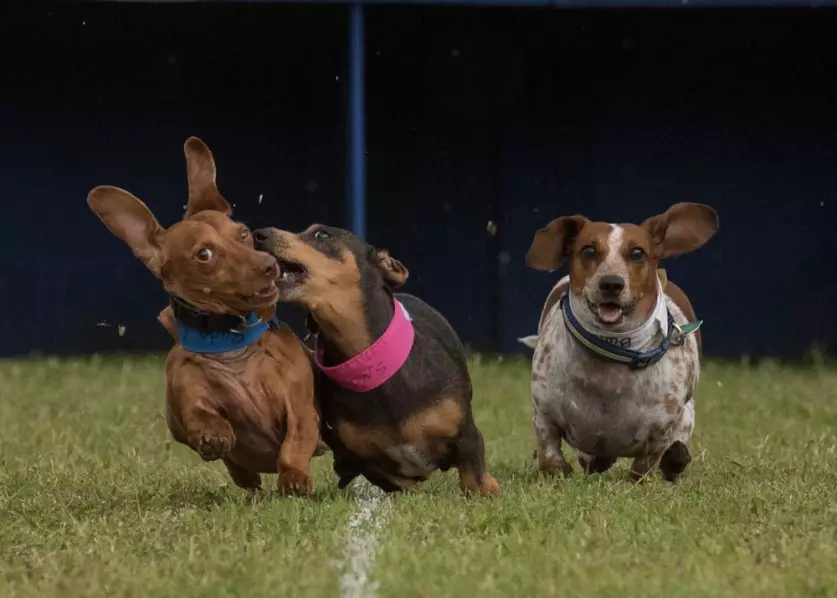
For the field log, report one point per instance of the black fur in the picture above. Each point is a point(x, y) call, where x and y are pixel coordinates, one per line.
point(435, 368)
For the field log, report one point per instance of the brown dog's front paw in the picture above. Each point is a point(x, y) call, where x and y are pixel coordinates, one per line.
point(295, 482)
point(212, 445)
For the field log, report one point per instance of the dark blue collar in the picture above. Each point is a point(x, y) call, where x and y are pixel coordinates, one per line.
point(634, 359)
point(203, 332)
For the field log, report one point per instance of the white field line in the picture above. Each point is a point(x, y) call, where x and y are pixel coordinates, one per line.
point(362, 536)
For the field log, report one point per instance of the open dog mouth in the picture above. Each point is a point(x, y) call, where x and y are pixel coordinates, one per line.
point(609, 313)
point(267, 291)
point(290, 273)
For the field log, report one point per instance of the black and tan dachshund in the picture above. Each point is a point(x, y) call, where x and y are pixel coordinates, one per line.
point(393, 385)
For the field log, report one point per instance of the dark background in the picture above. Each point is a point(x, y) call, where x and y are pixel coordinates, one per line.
point(474, 114)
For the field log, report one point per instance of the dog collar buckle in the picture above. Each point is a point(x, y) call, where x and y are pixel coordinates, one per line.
point(243, 325)
point(678, 336)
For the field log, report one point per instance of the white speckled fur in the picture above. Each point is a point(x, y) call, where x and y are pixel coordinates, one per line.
point(604, 409)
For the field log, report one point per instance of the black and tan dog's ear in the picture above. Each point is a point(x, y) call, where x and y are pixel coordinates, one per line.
point(130, 220)
point(683, 228)
point(554, 242)
point(200, 170)
point(394, 272)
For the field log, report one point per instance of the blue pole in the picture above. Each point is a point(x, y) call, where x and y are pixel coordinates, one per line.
point(357, 123)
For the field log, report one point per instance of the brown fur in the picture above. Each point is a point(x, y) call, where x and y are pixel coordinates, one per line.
point(338, 314)
point(252, 408)
point(365, 441)
point(425, 429)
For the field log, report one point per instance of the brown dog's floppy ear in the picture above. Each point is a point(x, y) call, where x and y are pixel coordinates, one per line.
point(130, 220)
point(684, 227)
point(554, 242)
point(200, 170)
point(395, 274)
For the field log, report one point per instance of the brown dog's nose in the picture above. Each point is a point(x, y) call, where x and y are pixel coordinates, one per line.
point(268, 267)
point(611, 284)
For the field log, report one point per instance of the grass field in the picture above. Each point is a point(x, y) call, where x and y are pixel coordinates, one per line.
point(95, 500)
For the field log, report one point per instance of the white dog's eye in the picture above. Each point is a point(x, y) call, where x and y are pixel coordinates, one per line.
point(637, 255)
point(588, 252)
point(321, 235)
point(204, 254)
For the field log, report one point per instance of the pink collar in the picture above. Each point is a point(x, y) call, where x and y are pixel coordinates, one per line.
point(377, 364)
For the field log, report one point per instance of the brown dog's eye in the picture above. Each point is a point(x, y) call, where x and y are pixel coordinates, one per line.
point(321, 235)
point(204, 254)
point(588, 252)
point(637, 255)
point(245, 234)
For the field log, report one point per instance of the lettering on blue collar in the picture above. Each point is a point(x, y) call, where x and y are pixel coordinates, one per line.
point(625, 343)
point(602, 347)
point(202, 341)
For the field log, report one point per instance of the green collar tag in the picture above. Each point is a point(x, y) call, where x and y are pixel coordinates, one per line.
point(681, 332)
point(690, 327)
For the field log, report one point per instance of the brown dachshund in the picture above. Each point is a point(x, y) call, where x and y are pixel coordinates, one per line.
point(239, 386)
point(394, 387)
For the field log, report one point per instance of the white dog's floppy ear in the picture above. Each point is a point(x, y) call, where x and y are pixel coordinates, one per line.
point(130, 220)
point(683, 228)
point(554, 242)
point(200, 170)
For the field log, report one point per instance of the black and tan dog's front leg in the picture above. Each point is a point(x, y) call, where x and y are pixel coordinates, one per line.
point(470, 453)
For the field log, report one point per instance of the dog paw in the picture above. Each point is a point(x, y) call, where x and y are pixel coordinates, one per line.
point(212, 447)
point(295, 483)
point(489, 486)
point(674, 461)
point(551, 467)
point(485, 485)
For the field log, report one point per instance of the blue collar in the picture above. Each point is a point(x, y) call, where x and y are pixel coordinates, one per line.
point(202, 332)
point(634, 359)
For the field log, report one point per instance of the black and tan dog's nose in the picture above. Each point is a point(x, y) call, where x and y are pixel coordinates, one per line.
point(611, 285)
point(261, 237)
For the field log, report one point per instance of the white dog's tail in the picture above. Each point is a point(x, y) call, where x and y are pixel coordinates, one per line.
point(530, 341)
point(552, 301)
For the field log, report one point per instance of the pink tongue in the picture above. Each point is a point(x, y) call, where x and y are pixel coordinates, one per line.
point(609, 314)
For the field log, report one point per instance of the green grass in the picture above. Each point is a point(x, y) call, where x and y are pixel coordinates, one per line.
point(96, 500)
